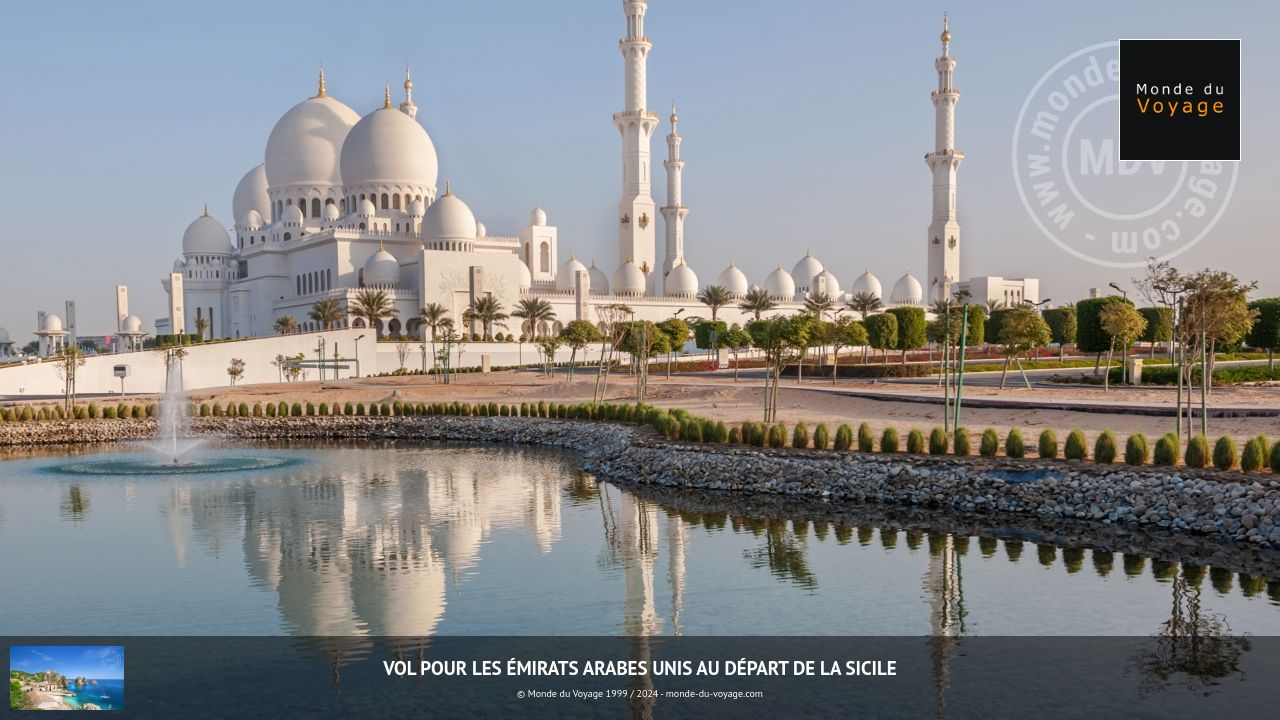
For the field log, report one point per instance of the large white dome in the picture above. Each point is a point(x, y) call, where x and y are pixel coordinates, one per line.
point(133, 324)
point(449, 218)
point(805, 270)
point(833, 284)
point(779, 285)
point(907, 291)
point(568, 274)
point(868, 283)
point(381, 269)
point(628, 280)
point(52, 324)
point(682, 282)
point(206, 236)
point(733, 280)
point(251, 194)
point(389, 148)
point(305, 145)
point(599, 281)
point(526, 277)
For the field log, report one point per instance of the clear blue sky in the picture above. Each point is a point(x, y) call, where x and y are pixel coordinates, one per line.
point(804, 126)
point(71, 661)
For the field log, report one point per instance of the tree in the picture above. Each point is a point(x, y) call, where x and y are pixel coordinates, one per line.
point(677, 332)
point(286, 324)
point(1216, 314)
point(1159, 326)
point(202, 326)
point(548, 346)
point(235, 370)
point(882, 332)
point(818, 305)
point(757, 302)
point(402, 352)
point(845, 332)
point(432, 316)
point(1265, 333)
point(912, 329)
point(779, 338)
point(1090, 337)
point(864, 302)
point(577, 335)
point(706, 333)
point(374, 306)
point(326, 313)
point(487, 311)
point(1123, 323)
point(532, 312)
point(1022, 332)
point(736, 340)
point(1062, 326)
point(69, 362)
point(977, 332)
point(714, 297)
point(995, 322)
point(994, 304)
point(611, 317)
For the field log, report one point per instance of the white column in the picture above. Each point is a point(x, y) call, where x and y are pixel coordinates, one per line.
point(674, 212)
point(944, 163)
point(636, 208)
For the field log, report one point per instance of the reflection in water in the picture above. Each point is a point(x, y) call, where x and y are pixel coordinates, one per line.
point(76, 505)
point(1193, 647)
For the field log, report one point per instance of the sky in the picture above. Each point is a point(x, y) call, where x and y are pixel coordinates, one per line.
point(70, 661)
point(804, 126)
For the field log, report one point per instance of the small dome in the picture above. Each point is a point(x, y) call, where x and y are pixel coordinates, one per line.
point(417, 208)
point(481, 230)
point(206, 236)
point(305, 144)
point(52, 324)
point(367, 208)
point(805, 270)
point(133, 324)
point(387, 147)
point(4, 335)
point(599, 281)
point(381, 269)
point(331, 212)
point(682, 282)
point(833, 285)
point(907, 291)
point(733, 280)
point(780, 285)
point(449, 218)
point(867, 283)
point(292, 215)
point(526, 277)
point(628, 280)
point(568, 274)
point(538, 217)
point(251, 220)
point(251, 194)
point(179, 264)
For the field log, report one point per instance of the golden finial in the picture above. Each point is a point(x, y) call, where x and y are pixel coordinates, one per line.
point(206, 210)
point(320, 92)
point(448, 187)
point(386, 96)
point(674, 118)
point(408, 81)
point(946, 33)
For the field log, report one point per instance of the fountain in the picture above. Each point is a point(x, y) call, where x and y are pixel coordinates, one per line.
point(172, 439)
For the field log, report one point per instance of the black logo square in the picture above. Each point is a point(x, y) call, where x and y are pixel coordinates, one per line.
point(1180, 100)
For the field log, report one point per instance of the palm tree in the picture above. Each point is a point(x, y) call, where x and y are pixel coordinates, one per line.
point(864, 302)
point(818, 305)
point(994, 304)
point(714, 297)
point(373, 306)
point(432, 317)
point(533, 312)
point(202, 327)
point(326, 312)
point(488, 312)
point(757, 302)
point(286, 324)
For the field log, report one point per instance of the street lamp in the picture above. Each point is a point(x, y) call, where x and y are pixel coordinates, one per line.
point(358, 339)
point(1123, 293)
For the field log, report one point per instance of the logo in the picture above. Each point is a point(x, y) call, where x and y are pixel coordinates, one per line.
point(1110, 212)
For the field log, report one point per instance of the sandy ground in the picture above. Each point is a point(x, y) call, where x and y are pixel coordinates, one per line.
point(813, 401)
point(45, 701)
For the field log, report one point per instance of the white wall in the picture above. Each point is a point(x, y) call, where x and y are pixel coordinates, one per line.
point(500, 355)
point(204, 367)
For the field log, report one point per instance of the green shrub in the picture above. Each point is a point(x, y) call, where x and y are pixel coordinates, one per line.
point(800, 436)
point(866, 439)
point(821, 437)
point(542, 409)
point(360, 408)
point(94, 411)
point(1014, 446)
point(153, 410)
point(938, 441)
point(386, 410)
point(1265, 444)
point(960, 444)
point(915, 442)
point(348, 408)
point(108, 413)
point(989, 445)
point(1104, 449)
point(844, 437)
point(1254, 457)
point(721, 433)
point(1047, 447)
point(204, 410)
point(311, 409)
point(1136, 450)
point(271, 409)
point(493, 409)
point(693, 432)
point(1274, 458)
point(735, 435)
point(757, 435)
point(218, 410)
point(1224, 453)
point(889, 440)
point(244, 409)
point(123, 411)
point(322, 409)
point(778, 436)
point(257, 409)
point(282, 409)
point(1167, 450)
point(296, 409)
point(231, 410)
point(1076, 448)
point(1197, 452)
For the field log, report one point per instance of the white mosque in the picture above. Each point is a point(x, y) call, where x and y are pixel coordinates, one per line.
point(343, 202)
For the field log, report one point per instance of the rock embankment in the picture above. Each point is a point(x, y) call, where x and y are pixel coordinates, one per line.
point(1227, 507)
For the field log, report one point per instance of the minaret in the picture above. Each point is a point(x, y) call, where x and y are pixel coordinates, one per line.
point(407, 107)
point(636, 221)
point(674, 212)
point(944, 162)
